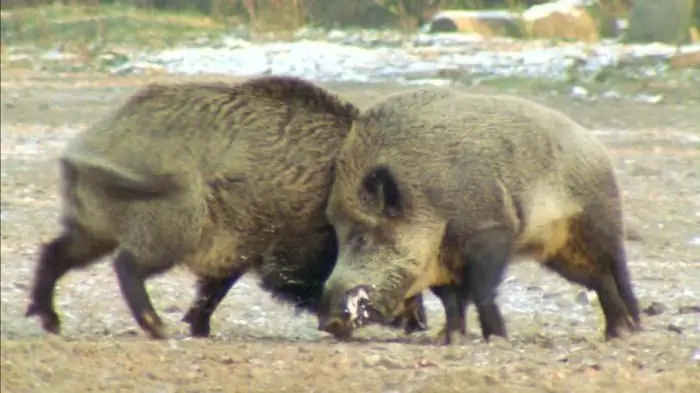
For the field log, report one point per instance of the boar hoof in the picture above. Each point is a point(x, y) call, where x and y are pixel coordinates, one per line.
point(49, 319)
point(153, 326)
point(199, 325)
point(622, 328)
point(448, 337)
point(415, 323)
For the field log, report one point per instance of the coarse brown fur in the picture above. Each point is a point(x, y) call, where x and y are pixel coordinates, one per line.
point(220, 178)
point(440, 189)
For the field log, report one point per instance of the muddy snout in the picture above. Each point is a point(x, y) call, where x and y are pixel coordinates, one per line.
point(349, 310)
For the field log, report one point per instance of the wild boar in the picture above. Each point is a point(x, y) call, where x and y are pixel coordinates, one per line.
point(437, 188)
point(219, 178)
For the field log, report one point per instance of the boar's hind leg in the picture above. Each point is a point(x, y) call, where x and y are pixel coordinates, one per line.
point(595, 258)
point(73, 248)
point(132, 277)
point(210, 292)
point(487, 254)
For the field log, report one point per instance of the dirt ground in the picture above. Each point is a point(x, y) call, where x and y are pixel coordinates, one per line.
point(259, 345)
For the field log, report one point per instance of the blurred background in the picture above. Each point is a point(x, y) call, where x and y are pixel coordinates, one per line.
point(472, 41)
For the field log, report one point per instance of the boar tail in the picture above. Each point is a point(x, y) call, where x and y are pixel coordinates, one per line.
point(122, 182)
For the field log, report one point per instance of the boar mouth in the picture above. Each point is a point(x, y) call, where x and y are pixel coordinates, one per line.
point(359, 310)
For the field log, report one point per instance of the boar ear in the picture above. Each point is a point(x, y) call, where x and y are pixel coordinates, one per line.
point(380, 183)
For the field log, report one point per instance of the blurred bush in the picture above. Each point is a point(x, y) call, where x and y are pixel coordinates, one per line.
point(656, 21)
point(407, 14)
point(292, 13)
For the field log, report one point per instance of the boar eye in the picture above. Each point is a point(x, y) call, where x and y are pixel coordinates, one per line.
point(359, 241)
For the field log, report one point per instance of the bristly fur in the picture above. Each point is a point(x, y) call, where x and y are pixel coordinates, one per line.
point(220, 178)
point(436, 187)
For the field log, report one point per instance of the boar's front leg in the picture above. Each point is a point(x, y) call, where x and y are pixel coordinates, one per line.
point(132, 277)
point(414, 319)
point(210, 292)
point(455, 299)
point(487, 255)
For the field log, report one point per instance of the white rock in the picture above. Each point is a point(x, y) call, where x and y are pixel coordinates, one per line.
point(579, 92)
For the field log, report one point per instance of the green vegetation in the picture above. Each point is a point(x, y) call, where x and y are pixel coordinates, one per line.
point(113, 25)
point(286, 14)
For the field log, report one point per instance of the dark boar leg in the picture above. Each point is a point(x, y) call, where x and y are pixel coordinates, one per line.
point(132, 277)
point(414, 319)
point(210, 292)
point(487, 257)
point(595, 258)
point(455, 305)
point(72, 249)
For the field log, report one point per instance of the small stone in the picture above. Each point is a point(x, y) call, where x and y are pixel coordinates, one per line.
point(453, 355)
point(423, 363)
point(611, 94)
point(655, 308)
point(649, 99)
point(172, 309)
point(696, 355)
point(585, 298)
point(255, 362)
point(689, 310)
point(391, 364)
point(371, 360)
point(498, 342)
point(633, 235)
point(20, 285)
point(579, 92)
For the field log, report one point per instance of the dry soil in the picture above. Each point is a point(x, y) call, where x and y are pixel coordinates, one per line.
point(259, 345)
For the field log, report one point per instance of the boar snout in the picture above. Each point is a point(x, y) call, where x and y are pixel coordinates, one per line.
point(348, 309)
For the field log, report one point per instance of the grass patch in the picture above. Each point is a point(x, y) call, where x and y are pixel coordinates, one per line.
point(75, 27)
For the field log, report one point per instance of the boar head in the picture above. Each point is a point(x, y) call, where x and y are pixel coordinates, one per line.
point(388, 250)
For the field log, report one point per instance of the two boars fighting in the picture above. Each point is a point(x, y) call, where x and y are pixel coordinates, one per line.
point(220, 178)
point(436, 188)
point(347, 214)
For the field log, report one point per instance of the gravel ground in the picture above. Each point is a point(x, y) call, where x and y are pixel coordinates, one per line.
point(259, 345)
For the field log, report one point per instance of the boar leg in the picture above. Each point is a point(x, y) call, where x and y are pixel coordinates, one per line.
point(486, 259)
point(454, 300)
point(71, 249)
point(210, 292)
point(132, 278)
point(414, 319)
point(595, 258)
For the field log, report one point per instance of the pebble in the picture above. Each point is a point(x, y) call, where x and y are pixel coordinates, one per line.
point(674, 328)
point(579, 92)
point(371, 360)
point(696, 355)
point(226, 360)
point(384, 361)
point(689, 310)
point(585, 298)
point(655, 308)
